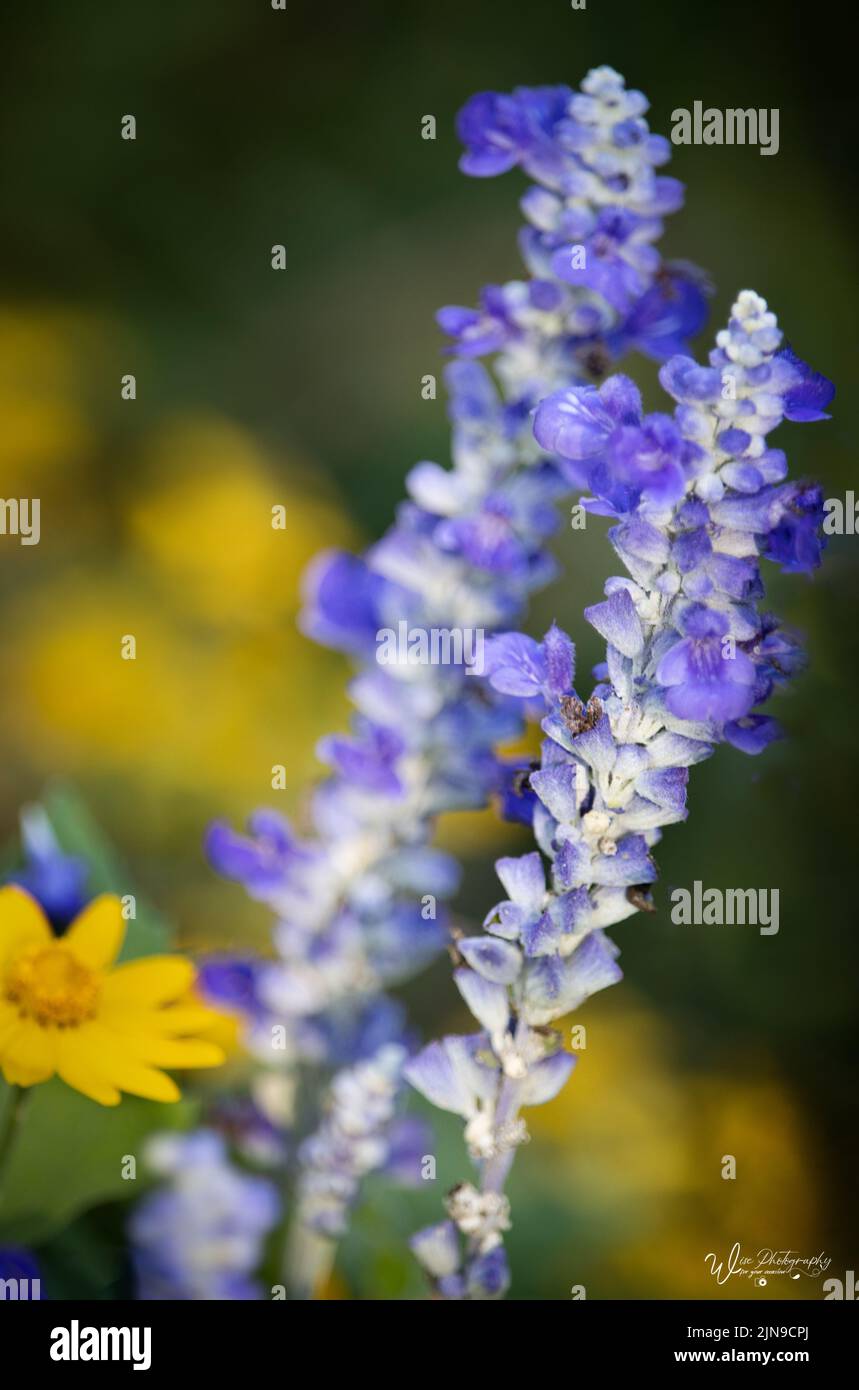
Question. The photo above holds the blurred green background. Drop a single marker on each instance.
(302, 387)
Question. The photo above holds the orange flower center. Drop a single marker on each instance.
(49, 985)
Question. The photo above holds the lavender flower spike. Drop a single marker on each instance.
(200, 1235)
(361, 1132)
(700, 498)
(355, 901)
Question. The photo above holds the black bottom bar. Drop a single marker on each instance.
(66, 1339)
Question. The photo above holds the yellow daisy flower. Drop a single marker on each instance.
(66, 1011)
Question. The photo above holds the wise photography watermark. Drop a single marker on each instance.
(431, 646)
(766, 1264)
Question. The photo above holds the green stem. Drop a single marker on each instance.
(9, 1126)
(309, 1259)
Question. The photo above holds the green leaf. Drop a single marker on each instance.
(69, 1155)
(148, 933)
(88, 1259)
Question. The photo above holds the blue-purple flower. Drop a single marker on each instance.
(199, 1235)
(699, 499)
(359, 897)
(57, 881)
(706, 681)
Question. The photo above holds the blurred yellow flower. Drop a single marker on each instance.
(64, 1011)
(45, 356)
(190, 565)
(229, 534)
(195, 715)
(639, 1137)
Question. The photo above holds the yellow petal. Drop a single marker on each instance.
(110, 1058)
(175, 1052)
(153, 980)
(22, 923)
(30, 1048)
(21, 1076)
(142, 1022)
(9, 1017)
(140, 1080)
(76, 1064)
(96, 934)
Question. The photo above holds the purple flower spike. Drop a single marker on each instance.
(753, 733)
(517, 665)
(342, 602)
(501, 131)
(706, 683)
(667, 316)
(641, 462)
(261, 860)
(618, 622)
(809, 394)
(797, 541)
(577, 424)
(683, 379)
(689, 658)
